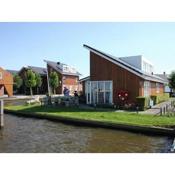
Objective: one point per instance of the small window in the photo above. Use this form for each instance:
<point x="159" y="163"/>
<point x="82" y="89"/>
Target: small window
<point x="0" y="75"/>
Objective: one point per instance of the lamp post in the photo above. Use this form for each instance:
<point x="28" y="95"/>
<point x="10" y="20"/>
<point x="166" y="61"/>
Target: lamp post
<point x="48" y="84"/>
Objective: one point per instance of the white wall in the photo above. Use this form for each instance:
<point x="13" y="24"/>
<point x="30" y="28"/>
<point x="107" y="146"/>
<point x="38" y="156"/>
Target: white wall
<point x="139" y="62"/>
<point x="135" y="61"/>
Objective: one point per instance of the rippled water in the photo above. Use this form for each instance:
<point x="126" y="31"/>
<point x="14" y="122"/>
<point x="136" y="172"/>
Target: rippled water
<point x="42" y="136"/>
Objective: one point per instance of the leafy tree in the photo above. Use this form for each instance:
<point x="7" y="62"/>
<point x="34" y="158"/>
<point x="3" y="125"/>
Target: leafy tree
<point x="38" y="81"/>
<point x="54" y="81"/>
<point x="17" y="81"/>
<point x="172" y="80"/>
<point x="30" y="80"/>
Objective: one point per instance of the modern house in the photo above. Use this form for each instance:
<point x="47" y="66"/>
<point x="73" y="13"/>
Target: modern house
<point x="68" y="76"/>
<point x="38" y="70"/>
<point x="6" y="82"/>
<point x="113" y="77"/>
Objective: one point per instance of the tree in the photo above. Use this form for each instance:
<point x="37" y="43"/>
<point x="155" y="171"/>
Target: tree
<point x="172" y="80"/>
<point x="30" y="80"/>
<point x="17" y="81"/>
<point x="54" y="81"/>
<point x="38" y="81"/>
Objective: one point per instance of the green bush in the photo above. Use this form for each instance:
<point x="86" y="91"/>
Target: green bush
<point x="160" y="98"/>
<point x="143" y="102"/>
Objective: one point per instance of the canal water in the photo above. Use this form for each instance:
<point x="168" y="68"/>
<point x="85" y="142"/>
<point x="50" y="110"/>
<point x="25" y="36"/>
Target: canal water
<point x="28" y="135"/>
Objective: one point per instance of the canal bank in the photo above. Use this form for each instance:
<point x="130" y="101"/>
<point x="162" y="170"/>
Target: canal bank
<point x="151" y="130"/>
<point x="31" y="135"/>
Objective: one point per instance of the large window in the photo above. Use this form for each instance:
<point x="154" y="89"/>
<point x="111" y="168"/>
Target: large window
<point x="147" y="68"/>
<point x="147" y="88"/>
<point x="98" y="92"/>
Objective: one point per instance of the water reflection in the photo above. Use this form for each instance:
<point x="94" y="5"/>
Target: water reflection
<point x="40" y="136"/>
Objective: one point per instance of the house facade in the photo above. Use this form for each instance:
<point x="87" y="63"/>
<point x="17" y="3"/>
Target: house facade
<point x="38" y="70"/>
<point x="112" y="78"/>
<point x="165" y="76"/>
<point x="6" y="82"/>
<point x="68" y="76"/>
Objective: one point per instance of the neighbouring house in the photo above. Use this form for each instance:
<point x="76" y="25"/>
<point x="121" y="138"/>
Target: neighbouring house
<point x="165" y="76"/>
<point x="6" y="82"/>
<point x="38" y="70"/>
<point x="112" y="77"/>
<point x="68" y="76"/>
<point x="13" y="72"/>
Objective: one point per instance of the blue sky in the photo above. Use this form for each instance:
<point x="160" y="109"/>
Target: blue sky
<point x="23" y="44"/>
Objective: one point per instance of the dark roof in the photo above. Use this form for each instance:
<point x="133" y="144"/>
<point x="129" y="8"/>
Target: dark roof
<point x="38" y="70"/>
<point x="84" y="79"/>
<point x="121" y="63"/>
<point x="63" y="68"/>
<point x="163" y="76"/>
<point x="13" y="71"/>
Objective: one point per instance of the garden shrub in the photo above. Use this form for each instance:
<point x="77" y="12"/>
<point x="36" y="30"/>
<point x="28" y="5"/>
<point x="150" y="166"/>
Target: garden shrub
<point x="143" y="102"/>
<point x="160" y="98"/>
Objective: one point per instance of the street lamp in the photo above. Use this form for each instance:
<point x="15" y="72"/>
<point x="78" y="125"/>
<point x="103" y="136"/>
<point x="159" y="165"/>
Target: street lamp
<point x="48" y="84"/>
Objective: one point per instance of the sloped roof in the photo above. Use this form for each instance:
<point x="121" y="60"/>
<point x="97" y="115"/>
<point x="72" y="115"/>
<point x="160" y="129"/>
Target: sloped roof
<point x="13" y="71"/>
<point x="163" y="76"/>
<point x="39" y="70"/>
<point x="123" y="64"/>
<point x="84" y="79"/>
<point x="63" y="68"/>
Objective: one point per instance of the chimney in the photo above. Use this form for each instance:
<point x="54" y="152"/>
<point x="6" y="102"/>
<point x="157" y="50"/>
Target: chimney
<point x="58" y="63"/>
<point x="152" y="73"/>
<point x="164" y="73"/>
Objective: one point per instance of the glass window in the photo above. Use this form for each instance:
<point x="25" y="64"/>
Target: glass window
<point x="99" y="92"/>
<point x="94" y="91"/>
<point x="157" y="87"/>
<point x="147" y="88"/>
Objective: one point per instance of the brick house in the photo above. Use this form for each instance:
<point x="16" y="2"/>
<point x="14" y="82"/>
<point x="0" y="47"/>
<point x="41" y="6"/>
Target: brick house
<point x="68" y="76"/>
<point x="110" y="75"/>
<point x="6" y="82"/>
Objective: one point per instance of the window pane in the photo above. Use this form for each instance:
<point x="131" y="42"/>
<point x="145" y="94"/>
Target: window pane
<point x="108" y="86"/>
<point x="101" y="92"/>
<point x="94" y="92"/>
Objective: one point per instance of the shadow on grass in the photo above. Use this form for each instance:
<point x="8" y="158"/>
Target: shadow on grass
<point x="53" y="109"/>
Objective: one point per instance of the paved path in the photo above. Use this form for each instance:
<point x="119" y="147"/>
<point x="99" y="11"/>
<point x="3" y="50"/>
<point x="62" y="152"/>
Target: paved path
<point x="156" y="109"/>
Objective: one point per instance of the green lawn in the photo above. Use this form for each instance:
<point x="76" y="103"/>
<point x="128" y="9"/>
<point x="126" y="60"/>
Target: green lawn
<point x="99" y="115"/>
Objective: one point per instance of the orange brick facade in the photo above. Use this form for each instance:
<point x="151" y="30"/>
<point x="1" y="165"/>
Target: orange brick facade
<point x="6" y="83"/>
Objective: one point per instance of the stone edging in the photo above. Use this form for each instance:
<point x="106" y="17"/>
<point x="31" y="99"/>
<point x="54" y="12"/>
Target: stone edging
<point x="101" y="124"/>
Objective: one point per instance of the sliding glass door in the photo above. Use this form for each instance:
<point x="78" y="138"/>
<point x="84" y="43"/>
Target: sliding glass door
<point x="98" y="92"/>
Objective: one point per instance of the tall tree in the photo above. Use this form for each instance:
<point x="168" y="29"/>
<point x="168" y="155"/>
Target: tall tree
<point x="30" y="80"/>
<point x="17" y="81"/>
<point x="38" y="81"/>
<point x="54" y="81"/>
<point x="172" y="80"/>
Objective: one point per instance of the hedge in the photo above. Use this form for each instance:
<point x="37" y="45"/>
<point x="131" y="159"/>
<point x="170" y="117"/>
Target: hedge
<point x="143" y="102"/>
<point x="160" y="98"/>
